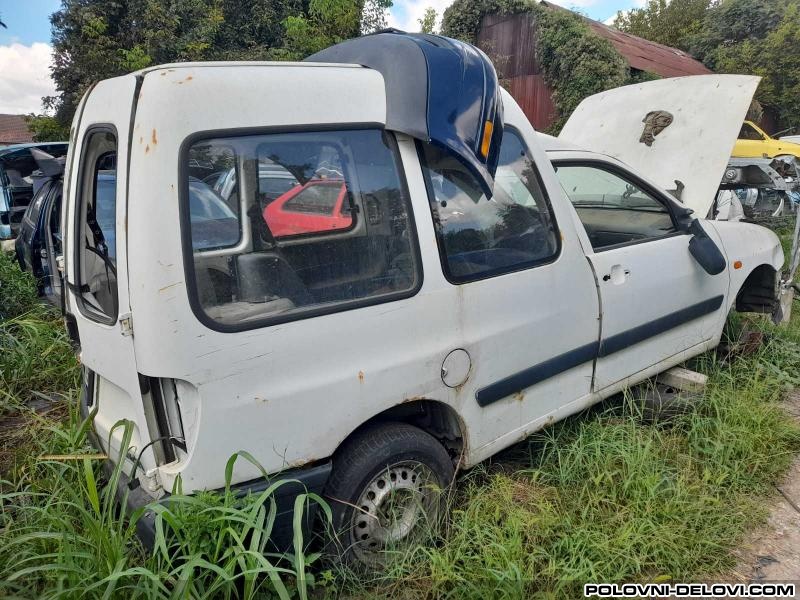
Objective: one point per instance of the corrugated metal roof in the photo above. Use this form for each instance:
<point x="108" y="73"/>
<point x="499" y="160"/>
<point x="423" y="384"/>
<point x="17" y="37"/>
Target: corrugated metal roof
<point x="14" y="130"/>
<point x="643" y="54"/>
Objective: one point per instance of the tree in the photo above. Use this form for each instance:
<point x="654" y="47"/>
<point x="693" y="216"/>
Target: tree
<point x="45" y="128"/>
<point x="427" y="24"/>
<point x="328" y="22"/>
<point x="373" y="15"/>
<point x="731" y="22"/>
<point x="770" y="51"/>
<point x="670" y="22"/>
<point x="97" y="39"/>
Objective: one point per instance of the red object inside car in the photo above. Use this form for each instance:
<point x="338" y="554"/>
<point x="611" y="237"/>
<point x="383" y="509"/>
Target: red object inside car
<point x="319" y="206"/>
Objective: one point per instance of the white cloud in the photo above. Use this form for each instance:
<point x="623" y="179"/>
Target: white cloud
<point x="404" y="13"/>
<point x="26" y="77"/>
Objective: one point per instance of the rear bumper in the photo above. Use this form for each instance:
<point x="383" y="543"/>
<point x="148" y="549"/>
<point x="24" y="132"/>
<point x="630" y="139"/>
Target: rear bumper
<point x="303" y="480"/>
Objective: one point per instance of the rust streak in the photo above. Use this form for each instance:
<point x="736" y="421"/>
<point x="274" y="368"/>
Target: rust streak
<point x="154" y="139"/>
<point x="171" y="285"/>
<point x="361" y="376"/>
<point x="147" y="149"/>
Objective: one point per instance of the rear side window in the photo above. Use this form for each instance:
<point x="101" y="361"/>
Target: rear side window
<point x="96" y="243"/>
<point x="298" y="224"/>
<point x="482" y="237"/>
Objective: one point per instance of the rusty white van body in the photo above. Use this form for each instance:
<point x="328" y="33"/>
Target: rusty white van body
<point x="437" y="329"/>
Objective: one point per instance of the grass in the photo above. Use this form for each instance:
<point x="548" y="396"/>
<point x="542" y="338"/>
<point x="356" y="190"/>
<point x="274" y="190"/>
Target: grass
<point x="606" y="495"/>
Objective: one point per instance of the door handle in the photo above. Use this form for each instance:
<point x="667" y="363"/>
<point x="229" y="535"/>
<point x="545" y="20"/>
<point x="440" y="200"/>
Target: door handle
<point x="618" y="275"/>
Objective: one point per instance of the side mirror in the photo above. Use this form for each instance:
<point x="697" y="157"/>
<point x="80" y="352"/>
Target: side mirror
<point x="704" y="250"/>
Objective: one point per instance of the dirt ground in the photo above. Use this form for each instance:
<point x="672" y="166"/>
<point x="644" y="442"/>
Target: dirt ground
<point x="772" y="553"/>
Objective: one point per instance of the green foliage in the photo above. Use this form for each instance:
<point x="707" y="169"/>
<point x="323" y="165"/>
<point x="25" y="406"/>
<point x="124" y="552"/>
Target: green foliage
<point x="35" y="358"/>
<point x="35" y="355"/>
<point x="730" y="22"/>
<point x="98" y="39"/>
<point x="17" y="288"/>
<point x="576" y="62"/>
<point x="45" y="128"/>
<point x="427" y="24"/>
<point x="328" y="22"/>
<point x="608" y="496"/>
<point x="61" y="535"/>
<point x="670" y="22"/>
<point x="775" y="56"/>
<point x="462" y="19"/>
<point x="373" y="15"/>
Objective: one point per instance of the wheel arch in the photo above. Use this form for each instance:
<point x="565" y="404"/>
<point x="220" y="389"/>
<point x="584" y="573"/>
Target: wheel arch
<point x="437" y="418"/>
<point x="758" y="293"/>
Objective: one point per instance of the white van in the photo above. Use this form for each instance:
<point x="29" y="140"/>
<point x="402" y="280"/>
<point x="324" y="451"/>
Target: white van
<point x="357" y="311"/>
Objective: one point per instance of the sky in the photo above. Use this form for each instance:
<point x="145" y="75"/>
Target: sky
<point x="25" y="49"/>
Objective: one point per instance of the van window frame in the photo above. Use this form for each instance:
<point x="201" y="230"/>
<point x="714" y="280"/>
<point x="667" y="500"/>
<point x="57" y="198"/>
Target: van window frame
<point x="496" y="272"/>
<point x="268" y="321"/>
<point x="630" y="177"/>
<point x="77" y="225"/>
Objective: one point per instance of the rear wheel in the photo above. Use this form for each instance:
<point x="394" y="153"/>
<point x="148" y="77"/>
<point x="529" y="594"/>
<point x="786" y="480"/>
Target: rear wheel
<point x="386" y="491"/>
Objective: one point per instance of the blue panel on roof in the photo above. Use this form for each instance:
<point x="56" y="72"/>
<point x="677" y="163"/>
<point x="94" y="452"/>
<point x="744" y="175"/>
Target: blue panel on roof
<point x="438" y="89"/>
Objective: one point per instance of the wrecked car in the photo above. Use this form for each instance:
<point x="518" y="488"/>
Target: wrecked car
<point x="754" y="188"/>
<point x="456" y="314"/>
<point x="39" y="241"/>
<point x="754" y="142"/>
<point x="19" y="181"/>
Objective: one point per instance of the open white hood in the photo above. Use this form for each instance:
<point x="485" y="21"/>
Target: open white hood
<point x="678" y="129"/>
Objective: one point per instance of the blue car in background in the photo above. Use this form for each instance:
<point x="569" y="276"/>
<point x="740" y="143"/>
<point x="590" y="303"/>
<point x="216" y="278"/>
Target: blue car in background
<point x="20" y="180"/>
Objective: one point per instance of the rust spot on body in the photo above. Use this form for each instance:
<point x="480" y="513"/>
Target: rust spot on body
<point x="413" y="399"/>
<point x="188" y="78"/>
<point x="519" y="396"/>
<point x="147" y="149"/>
<point x="361" y="376"/>
<point x="154" y="139"/>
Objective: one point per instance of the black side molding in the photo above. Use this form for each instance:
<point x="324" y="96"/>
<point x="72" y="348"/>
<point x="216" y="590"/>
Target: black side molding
<point x="583" y="354"/>
<point x="658" y="326"/>
<point x="535" y="374"/>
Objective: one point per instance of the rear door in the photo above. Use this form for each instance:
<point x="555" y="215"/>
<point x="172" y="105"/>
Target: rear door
<point x="96" y="259"/>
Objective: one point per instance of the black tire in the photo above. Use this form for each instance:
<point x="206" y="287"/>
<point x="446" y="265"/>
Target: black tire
<point x="389" y="452"/>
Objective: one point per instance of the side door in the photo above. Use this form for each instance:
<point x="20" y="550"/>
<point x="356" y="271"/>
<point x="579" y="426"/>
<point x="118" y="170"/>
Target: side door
<point x="527" y="302"/>
<point x="657" y="301"/>
<point x="96" y="260"/>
